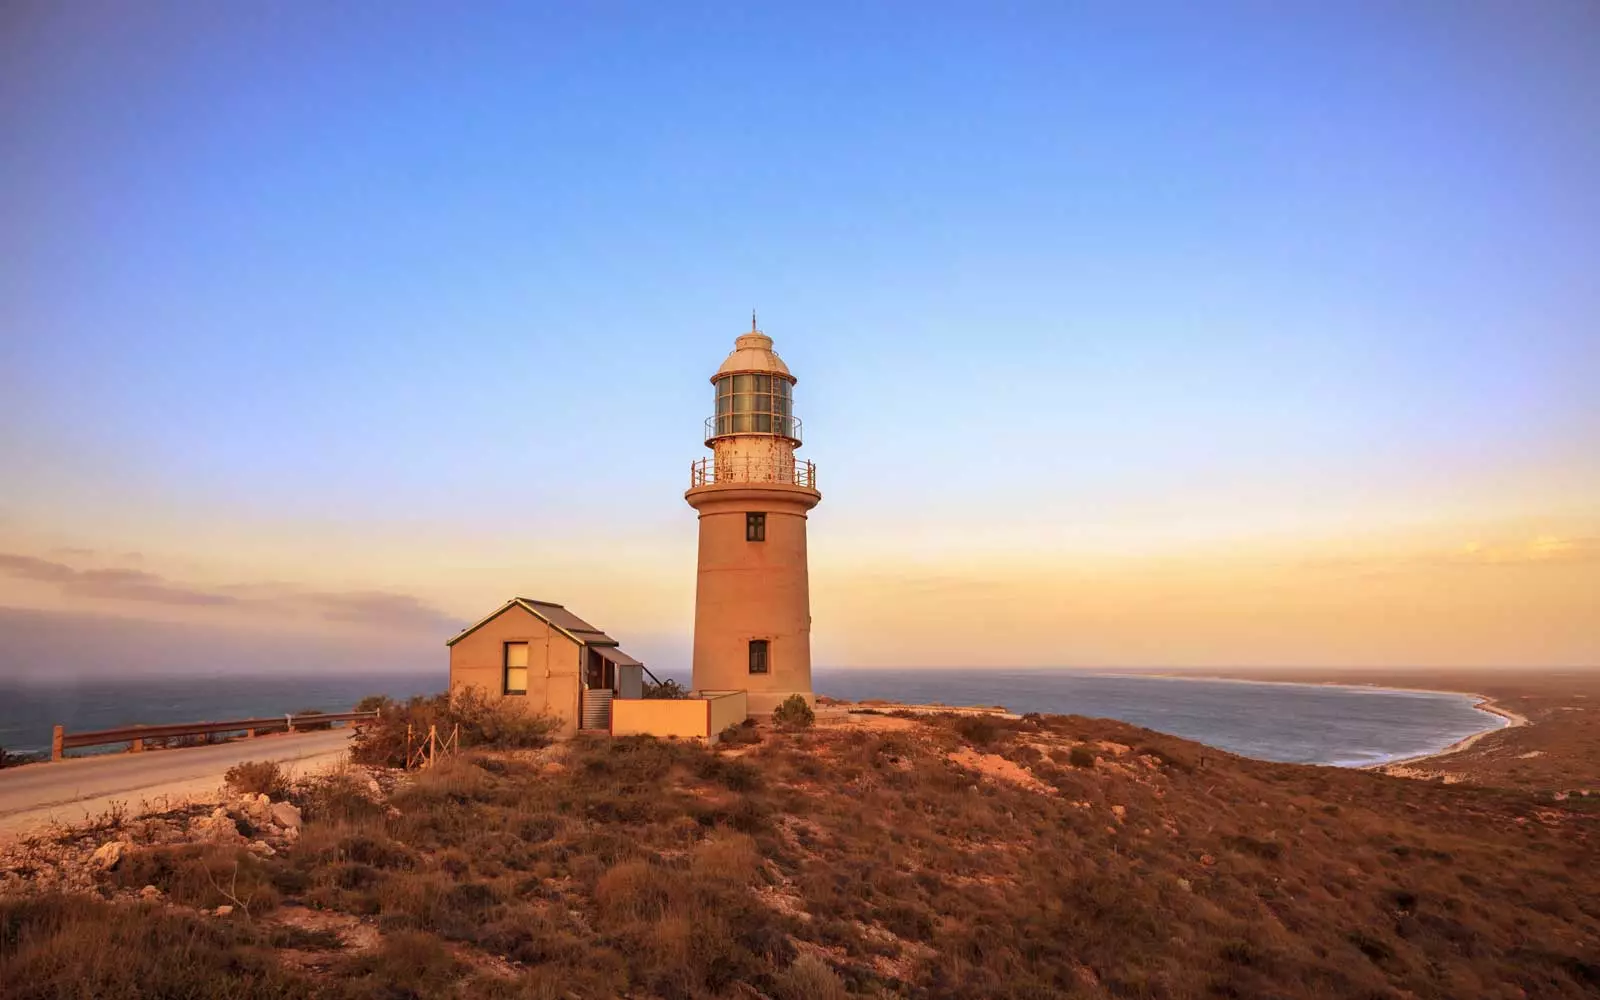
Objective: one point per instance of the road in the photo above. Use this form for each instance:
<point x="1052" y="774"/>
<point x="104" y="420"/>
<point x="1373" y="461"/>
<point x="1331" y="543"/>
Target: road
<point x="80" y="788"/>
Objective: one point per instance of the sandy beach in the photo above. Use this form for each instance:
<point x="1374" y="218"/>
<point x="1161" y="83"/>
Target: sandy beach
<point x="1485" y="704"/>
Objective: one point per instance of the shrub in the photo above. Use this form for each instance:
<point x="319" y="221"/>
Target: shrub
<point x="744" y="733"/>
<point x="794" y="713"/>
<point x="726" y="855"/>
<point x="496" y="724"/>
<point x="375" y="703"/>
<point x="339" y="796"/>
<point x="479" y="720"/>
<point x="258" y="777"/>
<point x="1081" y="757"/>
<point x="809" y="978"/>
<point x="979" y="730"/>
<point x="668" y="689"/>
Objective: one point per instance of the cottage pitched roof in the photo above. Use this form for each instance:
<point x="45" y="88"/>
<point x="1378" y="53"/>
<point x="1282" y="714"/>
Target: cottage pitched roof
<point x="550" y="612"/>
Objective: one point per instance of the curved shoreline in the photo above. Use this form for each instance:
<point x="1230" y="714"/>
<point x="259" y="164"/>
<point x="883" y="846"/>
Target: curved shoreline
<point x="1499" y="717"/>
<point x="1512" y="719"/>
<point x="1483" y="703"/>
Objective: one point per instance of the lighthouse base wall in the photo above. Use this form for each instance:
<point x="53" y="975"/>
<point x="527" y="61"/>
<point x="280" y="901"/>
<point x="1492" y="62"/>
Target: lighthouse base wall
<point x="753" y="591"/>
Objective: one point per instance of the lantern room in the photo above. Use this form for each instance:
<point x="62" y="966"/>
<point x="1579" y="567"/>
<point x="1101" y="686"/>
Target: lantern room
<point x="754" y="392"/>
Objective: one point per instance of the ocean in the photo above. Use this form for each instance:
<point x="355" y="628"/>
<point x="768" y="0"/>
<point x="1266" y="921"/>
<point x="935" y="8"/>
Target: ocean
<point x="1291" y="723"/>
<point x="1294" y="723"/>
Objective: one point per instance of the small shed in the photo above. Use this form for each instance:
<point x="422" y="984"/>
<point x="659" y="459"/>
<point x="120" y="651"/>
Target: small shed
<point x="549" y="660"/>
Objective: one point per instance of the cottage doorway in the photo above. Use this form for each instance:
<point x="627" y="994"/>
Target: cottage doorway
<point x="599" y="687"/>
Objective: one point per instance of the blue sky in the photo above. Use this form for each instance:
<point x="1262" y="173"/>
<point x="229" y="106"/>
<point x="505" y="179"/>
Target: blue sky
<point x="423" y="299"/>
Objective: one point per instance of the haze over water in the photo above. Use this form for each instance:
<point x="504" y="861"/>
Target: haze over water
<point x="1294" y="723"/>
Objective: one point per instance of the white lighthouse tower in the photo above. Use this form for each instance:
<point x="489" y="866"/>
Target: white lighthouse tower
<point x="752" y="615"/>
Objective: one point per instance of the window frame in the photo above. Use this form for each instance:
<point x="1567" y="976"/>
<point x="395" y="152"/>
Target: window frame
<point x="755" y="525"/>
<point x="764" y="648"/>
<point x="506" y="668"/>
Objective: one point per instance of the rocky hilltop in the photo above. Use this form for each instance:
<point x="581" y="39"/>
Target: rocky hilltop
<point x="874" y="855"/>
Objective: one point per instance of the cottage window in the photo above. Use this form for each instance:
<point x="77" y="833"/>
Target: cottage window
<point x="758" y="656"/>
<point x="516" y="668"/>
<point x="755" y="527"/>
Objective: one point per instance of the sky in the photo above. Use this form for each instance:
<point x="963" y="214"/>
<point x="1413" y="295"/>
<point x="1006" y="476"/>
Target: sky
<point x="1127" y="335"/>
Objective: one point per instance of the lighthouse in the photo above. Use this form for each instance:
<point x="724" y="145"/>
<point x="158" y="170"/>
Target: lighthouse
<point x="752" y="611"/>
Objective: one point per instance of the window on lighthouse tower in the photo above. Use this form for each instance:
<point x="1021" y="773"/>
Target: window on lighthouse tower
<point x="755" y="527"/>
<point x="758" y="656"/>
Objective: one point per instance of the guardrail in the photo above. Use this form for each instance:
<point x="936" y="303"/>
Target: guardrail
<point x="62" y="741"/>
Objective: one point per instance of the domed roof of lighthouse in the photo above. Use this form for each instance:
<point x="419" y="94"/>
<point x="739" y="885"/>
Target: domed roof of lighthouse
<point x="752" y="352"/>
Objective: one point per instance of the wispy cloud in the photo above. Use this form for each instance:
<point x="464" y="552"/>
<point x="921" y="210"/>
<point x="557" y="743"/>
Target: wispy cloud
<point x="1540" y="550"/>
<point x="361" y="607"/>
<point x="109" y="584"/>
<point x="377" y="607"/>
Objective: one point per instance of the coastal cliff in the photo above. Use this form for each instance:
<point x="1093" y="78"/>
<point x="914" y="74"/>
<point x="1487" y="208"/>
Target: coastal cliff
<point x="876" y="855"/>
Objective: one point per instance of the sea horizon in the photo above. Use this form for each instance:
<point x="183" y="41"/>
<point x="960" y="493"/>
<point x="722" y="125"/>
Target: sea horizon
<point x="1310" y="722"/>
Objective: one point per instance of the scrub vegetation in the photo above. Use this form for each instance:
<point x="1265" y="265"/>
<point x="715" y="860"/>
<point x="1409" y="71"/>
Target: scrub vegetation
<point x="258" y="777"/>
<point x="885" y="856"/>
<point x="467" y="717"/>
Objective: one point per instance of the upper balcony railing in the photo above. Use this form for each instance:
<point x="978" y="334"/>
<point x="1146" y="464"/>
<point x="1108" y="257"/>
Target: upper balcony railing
<point x="776" y="424"/>
<point x="708" y="472"/>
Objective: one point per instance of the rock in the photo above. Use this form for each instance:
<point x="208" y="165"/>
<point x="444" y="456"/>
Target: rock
<point x="286" y="815"/>
<point x="1185" y="885"/>
<point x="374" y="789"/>
<point x="1120" y="812"/>
<point x="149" y="892"/>
<point x="109" y="855"/>
<point x="223" y="911"/>
<point x="218" y="827"/>
<point x="262" y="848"/>
<point x="256" y="808"/>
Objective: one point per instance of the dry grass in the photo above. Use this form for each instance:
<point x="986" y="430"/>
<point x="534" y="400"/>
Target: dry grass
<point x="855" y="861"/>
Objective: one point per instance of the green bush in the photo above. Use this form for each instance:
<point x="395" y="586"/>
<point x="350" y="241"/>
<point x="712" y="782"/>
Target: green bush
<point x="794" y="713"/>
<point x="1081" y="757"/>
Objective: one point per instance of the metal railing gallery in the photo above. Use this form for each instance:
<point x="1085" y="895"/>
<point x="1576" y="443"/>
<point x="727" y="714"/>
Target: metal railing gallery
<point x="708" y="472"/>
